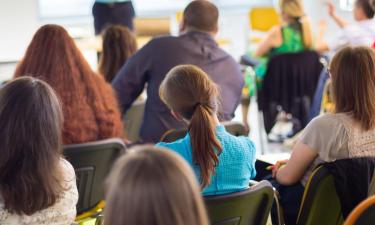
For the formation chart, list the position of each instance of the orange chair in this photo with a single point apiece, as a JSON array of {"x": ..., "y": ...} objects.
[{"x": 363, "y": 214}]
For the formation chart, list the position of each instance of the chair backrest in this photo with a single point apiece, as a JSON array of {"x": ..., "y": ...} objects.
[
  {"x": 249, "y": 207},
  {"x": 133, "y": 120},
  {"x": 92, "y": 162},
  {"x": 320, "y": 203},
  {"x": 263, "y": 18},
  {"x": 363, "y": 214},
  {"x": 234, "y": 128},
  {"x": 290, "y": 82}
]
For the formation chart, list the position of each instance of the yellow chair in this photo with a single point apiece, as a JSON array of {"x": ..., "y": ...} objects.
[{"x": 263, "y": 18}]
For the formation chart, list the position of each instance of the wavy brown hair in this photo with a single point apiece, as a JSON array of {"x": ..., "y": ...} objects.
[
  {"x": 353, "y": 83},
  {"x": 30, "y": 146},
  {"x": 153, "y": 186},
  {"x": 189, "y": 91},
  {"x": 90, "y": 109},
  {"x": 118, "y": 45}
]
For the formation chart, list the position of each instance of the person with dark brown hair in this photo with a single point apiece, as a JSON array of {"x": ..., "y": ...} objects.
[
  {"x": 349, "y": 132},
  {"x": 90, "y": 109},
  {"x": 361, "y": 32},
  {"x": 222, "y": 162},
  {"x": 153, "y": 186},
  {"x": 118, "y": 45},
  {"x": 37, "y": 186},
  {"x": 195, "y": 45}
]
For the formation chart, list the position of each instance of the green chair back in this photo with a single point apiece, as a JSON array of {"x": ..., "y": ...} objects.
[
  {"x": 320, "y": 203},
  {"x": 234, "y": 128},
  {"x": 92, "y": 162},
  {"x": 249, "y": 207}
]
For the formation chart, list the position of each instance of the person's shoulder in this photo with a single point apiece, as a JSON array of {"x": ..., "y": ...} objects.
[
  {"x": 181, "y": 146},
  {"x": 327, "y": 119},
  {"x": 242, "y": 142},
  {"x": 325, "y": 123},
  {"x": 67, "y": 170},
  {"x": 177, "y": 145},
  {"x": 160, "y": 40}
]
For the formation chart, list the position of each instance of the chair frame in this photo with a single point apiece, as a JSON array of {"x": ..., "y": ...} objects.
[
  {"x": 259, "y": 187},
  {"x": 70, "y": 150},
  {"x": 359, "y": 210}
]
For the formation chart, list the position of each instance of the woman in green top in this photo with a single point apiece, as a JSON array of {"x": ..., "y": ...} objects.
[{"x": 293, "y": 36}]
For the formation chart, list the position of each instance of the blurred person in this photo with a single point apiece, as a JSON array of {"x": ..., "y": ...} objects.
[
  {"x": 119, "y": 44},
  {"x": 362, "y": 32},
  {"x": 222, "y": 162},
  {"x": 294, "y": 35},
  {"x": 37, "y": 185},
  {"x": 153, "y": 186},
  {"x": 348, "y": 132},
  {"x": 195, "y": 45},
  {"x": 90, "y": 108},
  {"x": 112, "y": 12}
]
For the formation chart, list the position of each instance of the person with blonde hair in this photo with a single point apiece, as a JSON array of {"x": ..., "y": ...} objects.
[
  {"x": 294, "y": 35},
  {"x": 349, "y": 132},
  {"x": 153, "y": 186},
  {"x": 222, "y": 162}
]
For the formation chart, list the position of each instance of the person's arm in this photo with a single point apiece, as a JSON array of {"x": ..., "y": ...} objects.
[
  {"x": 130, "y": 81},
  {"x": 289, "y": 172},
  {"x": 321, "y": 45},
  {"x": 332, "y": 13},
  {"x": 273, "y": 39}
]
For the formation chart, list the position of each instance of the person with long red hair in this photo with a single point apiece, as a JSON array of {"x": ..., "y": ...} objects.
[{"x": 90, "y": 108}]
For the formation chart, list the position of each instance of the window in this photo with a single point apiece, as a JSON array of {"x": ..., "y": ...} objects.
[
  {"x": 347, "y": 5},
  {"x": 49, "y": 9}
]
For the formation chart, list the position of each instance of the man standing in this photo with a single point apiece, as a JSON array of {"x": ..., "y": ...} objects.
[
  {"x": 195, "y": 45},
  {"x": 111, "y": 12}
]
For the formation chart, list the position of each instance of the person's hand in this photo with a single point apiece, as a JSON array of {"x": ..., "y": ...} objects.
[
  {"x": 277, "y": 166},
  {"x": 331, "y": 8}
]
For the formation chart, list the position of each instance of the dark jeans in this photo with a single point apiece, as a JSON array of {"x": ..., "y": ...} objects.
[
  {"x": 116, "y": 13},
  {"x": 290, "y": 201}
]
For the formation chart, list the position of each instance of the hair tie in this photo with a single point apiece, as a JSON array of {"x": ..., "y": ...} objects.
[{"x": 196, "y": 105}]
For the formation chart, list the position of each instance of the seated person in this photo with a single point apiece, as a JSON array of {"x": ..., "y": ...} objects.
[
  {"x": 153, "y": 186},
  {"x": 362, "y": 32},
  {"x": 222, "y": 162},
  {"x": 37, "y": 185},
  {"x": 347, "y": 133},
  {"x": 91, "y": 112},
  {"x": 195, "y": 45},
  {"x": 119, "y": 44},
  {"x": 293, "y": 36}
]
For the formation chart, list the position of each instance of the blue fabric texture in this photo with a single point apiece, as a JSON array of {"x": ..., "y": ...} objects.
[{"x": 236, "y": 162}]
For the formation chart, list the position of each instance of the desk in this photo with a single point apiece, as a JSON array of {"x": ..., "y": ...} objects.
[{"x": 95, "y": 43}]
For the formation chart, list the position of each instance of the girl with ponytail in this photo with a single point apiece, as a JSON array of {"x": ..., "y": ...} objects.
[
  {"x": 222, "y": 163},
  {"x": 294, "y": 35}
]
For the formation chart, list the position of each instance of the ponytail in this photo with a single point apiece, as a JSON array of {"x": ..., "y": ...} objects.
[
  {"x": 306, "y": 32},
  {"x": 189, "y": 91},
  {"x": 205, "y": 145}
]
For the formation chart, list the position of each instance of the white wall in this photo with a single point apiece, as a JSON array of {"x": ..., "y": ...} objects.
[
  {"x": 18, "y": 22},
  {"x": 317, "y": 10}
]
